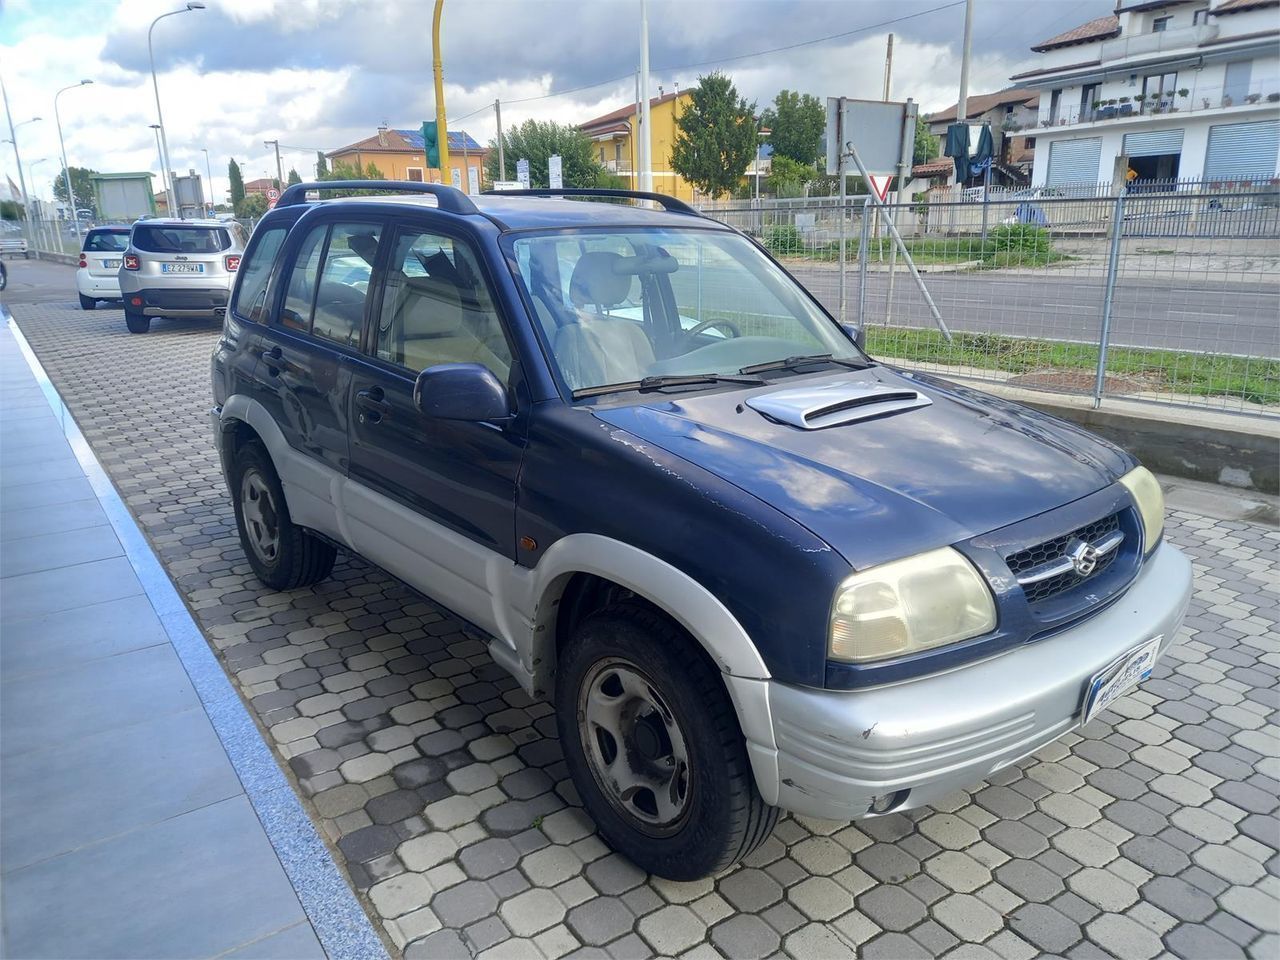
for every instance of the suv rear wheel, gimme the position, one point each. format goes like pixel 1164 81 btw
pixel 136 322
pixel 283 555
pixel 653 744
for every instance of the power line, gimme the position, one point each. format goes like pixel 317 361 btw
pixel 746 56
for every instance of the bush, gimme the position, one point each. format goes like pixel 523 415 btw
pixel 782 238
pixel 1025 238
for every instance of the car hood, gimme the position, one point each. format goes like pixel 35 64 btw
pixel 886 487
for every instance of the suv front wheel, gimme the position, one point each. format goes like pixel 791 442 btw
pixel 283 555
pixel 653 744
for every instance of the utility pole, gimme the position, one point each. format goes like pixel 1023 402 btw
pixel 888 68
pixel 13 138
pixel 646 145
pixel 502 152
pixel 437 68
pixel 279 168
pixel 962 106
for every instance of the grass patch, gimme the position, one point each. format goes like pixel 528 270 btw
pixel 1007 245
pixel 1168 371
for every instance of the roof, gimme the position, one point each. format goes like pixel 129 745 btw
pixel 1103 28
pixel 147 174
pixel 388 140
pixel 1142 5
pixel 934 168
pixel 261 185
pixel 623 112
pixel 516 213
pixel 1240 6
pixel 981 104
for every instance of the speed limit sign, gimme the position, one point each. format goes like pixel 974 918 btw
pixel 273 194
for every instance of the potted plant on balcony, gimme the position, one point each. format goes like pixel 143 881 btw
pixel 1227 100
pixel 1273 98
pixel 1140 99
pixel 1253 98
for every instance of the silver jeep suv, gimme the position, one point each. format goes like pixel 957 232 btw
pixel 179 268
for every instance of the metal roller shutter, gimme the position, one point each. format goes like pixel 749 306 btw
pixel 1074 161
pixel 1153 143
pixel 1240 151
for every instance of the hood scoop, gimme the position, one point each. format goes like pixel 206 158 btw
pixel 833 404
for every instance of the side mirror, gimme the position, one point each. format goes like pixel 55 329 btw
pixel 856 334
pixel 461 391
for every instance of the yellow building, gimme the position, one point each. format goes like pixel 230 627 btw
pixel 614 145
pixel 400 155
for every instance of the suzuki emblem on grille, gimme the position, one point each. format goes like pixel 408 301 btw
pixel 1084 558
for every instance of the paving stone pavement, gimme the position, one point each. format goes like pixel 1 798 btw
pixel 1152 831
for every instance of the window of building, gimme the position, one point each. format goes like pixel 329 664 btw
pixel 1238 77
pixel 414 174
pixel 1200 16
pixel 1160 24
pixel 1055 103
pixel 1160 86
pixel 1030 142
pixel 1090 94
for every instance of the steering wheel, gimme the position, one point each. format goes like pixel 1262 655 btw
pixel 727 325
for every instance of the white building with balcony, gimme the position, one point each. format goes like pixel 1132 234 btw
pixel 1183 89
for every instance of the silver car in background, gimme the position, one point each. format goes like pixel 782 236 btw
pixel 179 268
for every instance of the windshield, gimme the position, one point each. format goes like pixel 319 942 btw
pixel 617 307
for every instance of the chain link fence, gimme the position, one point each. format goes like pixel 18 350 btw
pixel 1167 296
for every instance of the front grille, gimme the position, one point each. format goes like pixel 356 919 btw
pixel 1025 560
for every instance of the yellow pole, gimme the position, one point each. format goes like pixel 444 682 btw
pixel 437 67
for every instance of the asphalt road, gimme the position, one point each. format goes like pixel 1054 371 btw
pixel 1216 317
pixel 1210 316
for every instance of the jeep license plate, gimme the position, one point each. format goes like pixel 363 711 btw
pixel 182 268
pixel 1110 683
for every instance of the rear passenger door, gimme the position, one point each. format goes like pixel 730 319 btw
pixel 432 500
pixel 304 367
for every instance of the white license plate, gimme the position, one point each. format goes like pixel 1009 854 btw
pixel 1110 683
pixel 182 268
pixel 111 263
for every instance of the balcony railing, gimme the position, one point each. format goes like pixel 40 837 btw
pixel 618 166
pixel 1135 107
pixel 1162 41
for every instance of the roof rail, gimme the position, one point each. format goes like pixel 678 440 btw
pixel 670 204
pixel 449 198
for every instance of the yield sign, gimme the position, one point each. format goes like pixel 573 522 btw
pixel 880 185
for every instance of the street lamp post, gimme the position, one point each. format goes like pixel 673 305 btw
pixel 13 139
pixel 208 169
pixel 155 84
pixel 66 170
pixel 164 184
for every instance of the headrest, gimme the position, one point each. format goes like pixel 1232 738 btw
pixel 596 281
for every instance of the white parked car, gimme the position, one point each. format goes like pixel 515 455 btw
pixel 100 257
pixel 12 241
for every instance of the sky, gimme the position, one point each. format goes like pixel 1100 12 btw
pixel 318 74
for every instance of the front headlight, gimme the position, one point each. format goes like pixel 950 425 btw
pixel 1149 498
pixel 909 605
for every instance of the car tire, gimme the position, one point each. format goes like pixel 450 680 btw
pixel 636 696
pixel 87 303
pixel 283 555
pixel 136 322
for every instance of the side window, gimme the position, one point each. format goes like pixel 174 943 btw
pixel 251 294
pixel 298 301
pixel 344 282
pixel 436 307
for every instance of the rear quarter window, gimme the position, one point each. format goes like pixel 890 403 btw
pixel 157 238
pixel 249 300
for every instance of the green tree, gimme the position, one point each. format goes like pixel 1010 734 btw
pixel 926 147
pixel 537 141
pixel 351 171
pixel 796 123
pixel 10 210
pixel 251 207
pixel 81 184
pixel 237 184
pixel 715 136
pixel 322 166
pixel 293 177
pixel 787 177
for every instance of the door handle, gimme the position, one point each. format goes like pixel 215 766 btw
pixel 373 404
pixel 274 360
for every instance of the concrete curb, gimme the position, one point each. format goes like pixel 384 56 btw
pixel 1229 449
pixel 67 258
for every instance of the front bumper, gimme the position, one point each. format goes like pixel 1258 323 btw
pixel 911 743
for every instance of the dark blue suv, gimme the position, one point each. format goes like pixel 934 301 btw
pixel 752 568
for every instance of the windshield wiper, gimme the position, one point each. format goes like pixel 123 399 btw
pixel 657 383
pixel 790 363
